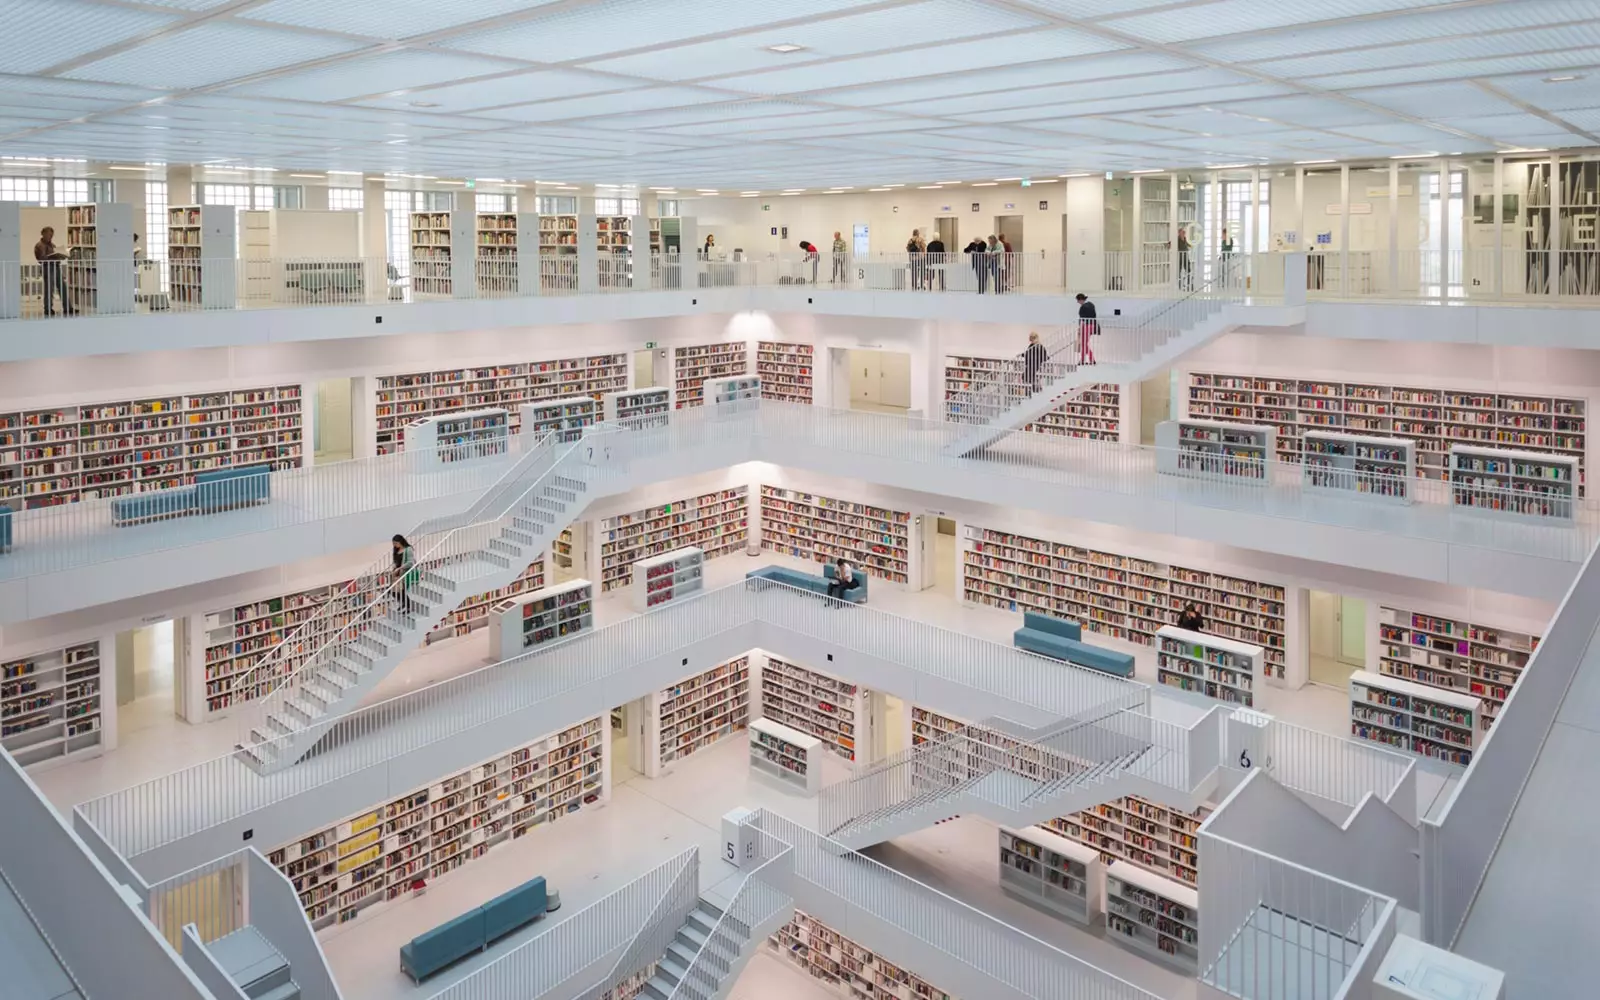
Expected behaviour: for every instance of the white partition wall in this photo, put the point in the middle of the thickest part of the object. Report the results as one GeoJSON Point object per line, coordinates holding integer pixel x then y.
{"type": "Point", "coordinates": [10, 260]}
{"type": "Point", "coordinates": [588, 251]}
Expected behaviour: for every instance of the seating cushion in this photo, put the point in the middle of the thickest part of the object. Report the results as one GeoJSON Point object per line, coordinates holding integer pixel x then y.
{"type": "Point", "coordinates": [1066, 628]}
{"type": "Point", "coordinates": [431, 951]}
{"type": "Point", "coordinates": [1079, 653]}
{"type": "Point", "coordinates": [148, 505]}
{"type": "Point", "coordinates": [794, 578]}
{"type": "Point", "coordinates": [232, 487]}
{"type": "Point", "coordinates": [5, 528]}
{"type": "Point", "coordinates": [510, 910]}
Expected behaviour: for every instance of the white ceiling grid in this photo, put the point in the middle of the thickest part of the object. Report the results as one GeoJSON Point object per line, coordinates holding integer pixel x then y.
{"type": "Point", "coordinates": [667, 92]}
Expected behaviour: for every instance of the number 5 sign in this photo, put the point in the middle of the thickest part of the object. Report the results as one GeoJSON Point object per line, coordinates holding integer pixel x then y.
{"type": "Point", "coordinates": [738, 841]}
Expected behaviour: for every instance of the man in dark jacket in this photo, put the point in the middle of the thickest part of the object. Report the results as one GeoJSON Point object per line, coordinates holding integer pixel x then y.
{"type": "Point", "coordinates": [1088, 326]}
{"type": "Point", "coordinates": [935, 262]}
{"type": "Point", "coordinates": [1033, 360]}
{"type": "Point", "coordinates": [980, 262]}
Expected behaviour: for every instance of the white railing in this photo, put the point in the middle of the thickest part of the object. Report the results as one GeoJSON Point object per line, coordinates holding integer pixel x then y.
{"type": "Point", "coordinates": [1332, 768]}
{"type": "Point", "coordinates": [1274, 930]}
{"type": "Point", "coordinates": [761, 897]}
{"type": "Point", "coordinates": [644, 910]}
{"type": "Point", "coordinates": [212, 896]}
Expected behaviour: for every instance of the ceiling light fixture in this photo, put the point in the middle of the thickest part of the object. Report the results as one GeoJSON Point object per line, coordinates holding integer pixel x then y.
{"type": "Point", "coordinates": [704, 191]}
{"type": "Point", "coordinates": [1307, 163]}
{"type": "Point", "coordinates": [455, 183]}
{"type": "Point", "coordinates": [423, 104]}
{"type": "Point", "coordinates": [666, 190]}
{"type": "Point", "coordinates": [1048, 180]}
{"type": "Point", "coordinates": [1564, 78]}
{"type": "Point", "coordinates": [1003, 180]}
{"type": "Point", "coordinates": [128, 168]}
{"type": "Point", "coordinates": [784, 48]}
{"type": "Point", "coordinates": [1415, 156]}
{"type": "Point", "coordinates": [986, 184]}
{"type": "Point", "coordinates": [552, 183]}
{"type": "Point", "coordinates": [837, 188]}
{"type": "Point", "coordinates": [355, 172]}
{"type": "Point", "coordinates": [788, 194]}
{"type": "Point", "coordinates": [491, 180]}
{"type": "Point", "coordinates": [929, 187]}
{"type": "Point", "coordinates": [1157, 170]}
{"type": "Point", "coordinates": [1085, 174]}
{"type": "Point", "coordinates": [793, 190]}
{"type": "Point", "coordinates": [879, 189]}
{"type": "Point", "coordinates": [894, 185]}
{"type": "Point", "coordinates": [320, 177]}
{"type": "Point", "coordinates": [1525, 149]}
{"type": "Point", "coordinates": [751, 194]}
{"type": "Point", "coordinates": [1227, 166]}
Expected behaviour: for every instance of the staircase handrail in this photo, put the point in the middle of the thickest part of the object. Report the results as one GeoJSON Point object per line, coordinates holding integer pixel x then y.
{"type": "Point", "coordinates": [658, 929]}
{"type": "Point", "coordinates": [699, 982]}
{"type": "Point", "coordinates": [466, 538]}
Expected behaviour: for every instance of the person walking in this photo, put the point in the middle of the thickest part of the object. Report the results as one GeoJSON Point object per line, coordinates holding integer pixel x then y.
{"type": "Point", "coordinates": [844, 579]}
{"type": "Point", "coordinates": [1088, 327]}
{"type": "Point", "coordinates": [55, 279]}
{"type": "Point", "coordinates": [976, 251]}
{"type": "Point", "coordinates": [1033, 360]}
{"type": "Point", "coordinates": [914, 251]}
{"type": "Point", "coordinates": [711, 244]}
{"type": "Point", "coordinates": [1227, 258]}
{"type": "Point", "coordinates": [405, 571]}
{"type": "Point", "coordinates": [841, 252]}
{"type": "Point", "coordinates": [935, 262]}
{"type": "Point", "coordinates": [1185, 263]}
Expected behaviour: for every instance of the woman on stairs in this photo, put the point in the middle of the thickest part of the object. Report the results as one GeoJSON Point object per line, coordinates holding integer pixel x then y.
{"type": "Point", "coordinates": [405, 571]}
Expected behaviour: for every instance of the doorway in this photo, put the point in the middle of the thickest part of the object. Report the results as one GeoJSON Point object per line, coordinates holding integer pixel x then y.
{"type": "Point", "coordinates": [148, 693]}
{"type": "Point", "coordinates": [1338, 637]}
{"type": "Point", "coordinates": [628, 740]}
{"type": "Point", "coordinates": [946, 550]}
{"type": "Point", "coordinates": [569, 554]}
{"type": "Point", "coordinates": [644, 369]}
{"type": "Point", "coordinates": [332, 432]}
{"type": "Point", "coordinates": [1011, 226]}
{"type": "Point", "coordinates": [948, 228]}
{"type": "Point", "coordinates": [879, 381]}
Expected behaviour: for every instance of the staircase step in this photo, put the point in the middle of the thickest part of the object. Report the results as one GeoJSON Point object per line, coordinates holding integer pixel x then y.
{"type": "Point", "coordinates": [567, 482]}
{"type": "Point", "coordinates": [656, 989]}
{"type": "Point", "coordinates": [681, 954]}
{"type": "Point", "coordinates": [670, 967]}
{"type": "Point", "coordinates": [251, 961]}
{"type": "Point", "coordinates": [692, 939]}
{"type": "Point", "coordinates": [559, 494]}
{"type": "Point", "coordinates": [288, 991]}
{"type": "Point", "coordinates": [519, 537]}
{"type": "Point", "coordinates": [545, 503]}
{"type": "Point", "coordinates": [496, 545]}
{"type": "Point", "coordinates": [702, 922]}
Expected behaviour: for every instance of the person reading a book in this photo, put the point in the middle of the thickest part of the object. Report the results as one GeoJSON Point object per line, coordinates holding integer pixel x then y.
{"type": "Point", "coordinates": [1191, 619]}
{"type": "Point", "coordinates": [55, 279]}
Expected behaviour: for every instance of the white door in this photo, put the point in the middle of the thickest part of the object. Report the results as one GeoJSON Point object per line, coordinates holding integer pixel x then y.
{"type": "Point", "coordinates": [894, 379]}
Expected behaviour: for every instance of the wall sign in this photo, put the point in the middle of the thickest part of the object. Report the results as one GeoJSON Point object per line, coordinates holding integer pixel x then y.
{"type": "Point", "coordinates": [1323, 239]}
{"type": "Point", "coordinates": [1011, 204]}
{"type": "Point", "coordinates": [974, 206]}
{"type": "Point", "coordinates": [774, 230]}
{"type": "Point", "coordinates": [1044, 206]}
{"type": "Point", "coordinates": [1291, 237]}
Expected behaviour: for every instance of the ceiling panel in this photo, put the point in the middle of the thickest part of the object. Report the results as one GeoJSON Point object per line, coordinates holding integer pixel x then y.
{"type": "Point", "coordinates": [39, 34]}
{"type": "Point", "coordinates": [1579, 36]}
{"type": "Point", "coordinates": [1094, 9]}
{"type": "Point", "coordinates": [1438, 100]}
{"type": "Point", "coordinates": [1578, 61]}
{"type": "Point", "coordinates": [608, 104]}
{"type": "Point", "coordinates": [1252, 15]}
{"type": "Point", "coordinates": [209, 53]}
{"type": "Point", "coordinates": [374, 74]}
{"type": "Point", "coordinates": [1580, 93]}
{"type": "Point", "coordinates": [391, 19]}
{"type": "Point", "coordinates": [1134, 69]}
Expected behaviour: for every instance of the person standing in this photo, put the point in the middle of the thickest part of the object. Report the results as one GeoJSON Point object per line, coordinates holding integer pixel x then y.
{"type": "Point", "coordinates": [1185, 264]}
{"type": "Point", "coordinates": [994, 250]}
{"type": "Point", "coordinates": [1033, 360]}
{"type": "Point", "coordinates": [1227, 257]}
{"type": "Point", "coordinates": [405, 571]}
{"type": "Point", "coordinates": [1088, 326]}
{"type": "Point", "coordinates": [976, 250]}
{"type": "Point", "coordinates": [1191, 619]}
{"type": "Point", "coordinates": [914, 251]}
{"type": "Point", "coordinates": [841, 251]}
{"type": "Point", "coordinates": [55, 280]}
{"type": "Point", "coordinates": [935, 262]}
{"type": "Point", "coordinates": [1002, 274]}
{"type": "Point", "coordinates": [711, 243]}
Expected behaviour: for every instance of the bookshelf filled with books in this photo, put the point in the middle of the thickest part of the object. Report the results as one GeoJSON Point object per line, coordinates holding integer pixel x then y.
{"type": "Point", "coordinates": [697, 712]}
{"type": "Point", "coordinates": [787, 754]}
{"type": "Point", "coordinates": [517, 624]}
{"type": "Point", "coordinates": [474, 612]}
{"type": "Point", "coordinates": [1139, 832]}
{"type": "Point", "coordinates": [1123, 597]}
{"type": "Point", "coordinates": [1094, 414]}
{"type": "Point", "coordinates": [671, 576]}
{"type": "Point", "coordinates": [692, 365]}
{"type": "Point", "coordinates": [1434, 418]}
{"type": "Point", "coordinates": [202, 248]}
{"type": "Point", "coordinates": [502, 236]}
{"type": "Point", "coordinates": [64, 454]}
{"type": "Point", "coordinates": [96, 233]}
{"type": "Point", "coordinates": [50, 708]}
{"type": "Point", "coordinates": [650, 407]}
{"type": "Point", "coordinates": [1381, 467]}
{"type": "Point", "coordinates": [716, 522]}
{"type": "Point", "coordinates": [786, 370]}
{"type": "Point", "coordinates": [846, 967]}
{"type": "Point", "coordinates": [832, 710]}
{"type": "Point", "coordinates": [821, 529]}
{"type": "Point", "coordinates": [463, 436]}
{"type": "Point", "coordinates": [564, 416]}
{"type": "Point", "coordinates": [1520, 483]}
{"type": "Point", "coordinates": [403, 844]}
{"type": "Point", "coordinates": [1152, 914]}
{"type": "Point", "coordinates": [400, 399]}
{"type": "Point", "coordinates": [1052, 873]}
{"type": "Point", "coordinates": [1208, 665]}
{"type": "Point", "coordinates": [443, 257]}
{"type": "Point", "coordinates": [1453, 655]}
{"type": "Point", "coordinates": [1416, 718]}
{"type": "Point", "coordinates": [1211, 449]}
{"type": "Point", "coordinates": [733, 393]}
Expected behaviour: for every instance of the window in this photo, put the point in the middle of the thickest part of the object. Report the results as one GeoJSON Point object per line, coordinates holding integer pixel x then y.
{"type": "Point", "coordinates": [494, 203]}
{"type": "Point", "coordinates": [666, 208]}
{"type": "Point", "coordinates": [155, 219]}
{"type": "Point", "coordinates": [398, 206]}
{"type": "Point", "coordinates": [615, 206]}
{"type": "Point", "coordinates": [102, 190]}
{"type": "Point", "coordinates": [28, 190]}
{"type": "Point", "coordinates": [346, 199]}
{"type": "Point", "coordinates": [551, 204]}
{"type": "Point", "coordinates": [69, 191]}
{"type": "Point", "coordinates": [237, 195]}
{"type": "Point", "coordinates": [1236, 215]}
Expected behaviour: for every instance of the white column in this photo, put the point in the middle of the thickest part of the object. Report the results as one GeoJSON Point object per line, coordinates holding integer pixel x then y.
{"type": "Point", "coordinates": [1344, 229]}
{"type": "Point", "coordinates": [180, 186]}
{"type": "Point", "coordinates": [1394, 227]}
{"type": "Point", "coordinates": [689, 256]}
{"type": "Point", "coordinates": [374, 246]}
{"type": "Point", "coordinates": [1299, 208]}
{"type": "Point", "coordinates": [588, 250]}
{"type": "Point", "coordinates": [1138, 233]}
{"type": "Point", "coordinates": [1172, 229]}
{"type": "Point", "coordinates": [640, 240]}
{"type": "Point", "coordinates": [1553, 262]}
{"type": "Point", "coordinates": [1444, 230]}
{"type": "Point", "coordinates": [1498, 285]}
{"type": "Point", "coordinates": [314, 197]}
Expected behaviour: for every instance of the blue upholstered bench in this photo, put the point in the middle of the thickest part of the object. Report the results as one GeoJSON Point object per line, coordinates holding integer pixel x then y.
{"type": "Point", "coordinates": [810, 581]}
{"type": "Point", "coordinates": [1062, 639]}
{"type": "Point", "coordinates": [219, 489]}
{"type": "Point", "coordinates": [473, 931]}
{"type": "Point", "coordinates": [5, 529]}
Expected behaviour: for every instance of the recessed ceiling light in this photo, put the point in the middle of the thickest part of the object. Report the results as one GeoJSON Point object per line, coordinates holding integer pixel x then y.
{"type": "Point", "coordinates": [947, 182]}
{"type": "Point", "coordinates": [1415, 156]}
{"type": "Point", "coordinates": [928, 187]}
{"type": "Point", "coordinates": [1158, 170]}
{"type": "Point", "coordinates": [554, 183]}
{"type": "Point", "coordinates": [1004, 180]}
{"type": "Point", "coordinates": [320, 177]}
{"type": "Point", "coordinates": [128, 168]}
{"type": "Point", "coordinates": [788, 194]}
{"type": "Point", "coordinates": [1307, 163]}
{"type": "Point", "coordinates": [703, 191]}
{"type": "Point", "coordinates": [785, 48]}
{"type": "Point", "coordinates": [1050, 180]}
{"type": "Point", "coordinates": [424, 104]}
{"type": "Point", "coordinates": [666, 190]}
{"type": "Point", "coordinates": [986, 184]}
{"type": "Point", "coordinates": [894, 185]}
{"type": "Point", "coordinates": [1564, 78]}
{"type": "Point", "coordinates": [747, 194]}
{"type": "Point", "coordinates": [793, 190]}
{"type": "Point", "coordinates": [879, 189]}
{"type": "Point", "coordinates": [455, 183]}
{"type": "Point", "coordinates": [841, 189]}
{"type": "Point", "coordinates": [355, 172]}
{"type": "Point", "coordinates": [491, 180]}
{"type": "Point", "coordinates": [1525, 149]}
{"type": "Point", "coordinates": [1085, 174]}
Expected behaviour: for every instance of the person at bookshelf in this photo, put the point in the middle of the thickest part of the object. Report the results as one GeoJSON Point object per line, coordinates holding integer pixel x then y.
{"type": "Point", "coordinates": [844, 579]}
{"type": "Point", "coordinates": [1191, 619]}
{"type": "Point", "coordinates": [1088, 327]}
{"type": "Point", "coordinates": [1033, 360]}
{"type": "Point", "coordinates": [841, 252]}
{"type": "Point", "coordinates": [55, 279]}
{"type": "Point", "coordinates": [405, 571]}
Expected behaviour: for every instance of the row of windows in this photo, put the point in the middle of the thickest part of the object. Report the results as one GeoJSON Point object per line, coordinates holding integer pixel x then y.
{"type": "Point", "coordinates": [54, 192]}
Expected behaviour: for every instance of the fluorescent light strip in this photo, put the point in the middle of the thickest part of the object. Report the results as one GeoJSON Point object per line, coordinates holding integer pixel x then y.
{"type": "Point", "coordinates": [929, 187]}
{"type": "Point", "coordinates": [1075, 175]}
{"type": "Point", "coordinates": [1158, 170]}
{"type": "Point", "coordinates": [880, 189]}
{"type": "Point", "coordinates": [130, 168]}
{"type": "Point", "coordinates": [315, 177]}
{"type": "Point", "coordinates": [1051, 180]}
{"type": "Point", "coordinates": [1415, 156]}
{"type": "Point", "coordinates": [1307, 163]}
{"type": "Point", "coordinates": [1003, 180]}
{"type": "Point", "coordinates": [987, 184]}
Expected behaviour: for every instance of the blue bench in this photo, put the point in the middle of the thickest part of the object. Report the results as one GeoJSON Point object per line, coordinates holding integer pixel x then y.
{"type": "Point", "coordinates": [810, 581]}
{"type": "Point", "coordinates": [473, 931]}
{"type": "Point", "coordinates": [1062, 639]}
{"type": "Point", "coordinates": [217, 490]}
{"type": "Point", "coordinates": [5, 529]}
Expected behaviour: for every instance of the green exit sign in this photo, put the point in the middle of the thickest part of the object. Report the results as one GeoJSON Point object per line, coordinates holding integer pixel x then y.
{"type": "Point", "coordinates": [471, 185]}
{"type": "Point", "coordinates": [649, 345]}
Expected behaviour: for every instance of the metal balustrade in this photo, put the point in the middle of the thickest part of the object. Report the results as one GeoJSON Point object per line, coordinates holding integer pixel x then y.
{"type": "Point", "coordinates": [758, 907]}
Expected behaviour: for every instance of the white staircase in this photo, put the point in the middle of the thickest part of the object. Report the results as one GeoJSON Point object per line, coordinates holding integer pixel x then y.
{"type": "Point", "coordinates": [1125, 352]}
{"type": "Point", "coordinates": [254, 965]}
{"type": "Point", "coordinates": [330, 663]}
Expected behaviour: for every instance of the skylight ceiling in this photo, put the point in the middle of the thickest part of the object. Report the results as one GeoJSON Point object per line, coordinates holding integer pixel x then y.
{"type": "Point", "coordinates": [732, 94]}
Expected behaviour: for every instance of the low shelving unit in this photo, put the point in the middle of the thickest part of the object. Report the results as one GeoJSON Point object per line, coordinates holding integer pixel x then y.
{"type": "Point", "coordinates": [832, 710]}
{"type": "Point", "coordinates": [1414, 717]}
{"type": "Point", "coordinates": [1453, 655]}
{"type": "Point", "coordinates": [650, 407]}
{"type": "Point", "coordinates": [1521, 483]}
{"type": "Point", "coordinates": [1209, 665]}
{"type": "Point", "coordinates": [1383, 468]}
{"type": "Point", "coordinates": [202, 247]}
{"type": "Point", "coordinates": [1050, 872]}
{"type": "Point", "coordinates": [697, 712]}
{"type": "Point", "coordinates": [668, 577]}
{"type": "Point", "coordinates": [845, 966]}
{"type": "Point", "coordinates": [459, 437]}
{"type": "Point", "coordinates": [715, 522]}
{"type": "Point", "coordinates": [692, 365]}
{"type": "Point", "coordinates": [474, 612]}
{"type": "Point", "coordinates": [1154, 915]}
{"type": "Point", "coordinates": [545, 615]}
{"type": "Point", "coordinates": [503, 238]}
{"type": "Point", "coordinates": [786, 754]}
{"type": "Point", "coordinates": [50, 704]}
{"type": "Point", "coordinates": [734, 393]}
{"type": "Point", "coordinates": [443, 253]}
{"type": "Point", "coordinates": [786, 370]}
{"type": "Point", "coordinates": [1139, 832]}
{"type": "Point", "coordinates": [564, 416]}
{"type": "Point", "coordinates": [1211, 449]}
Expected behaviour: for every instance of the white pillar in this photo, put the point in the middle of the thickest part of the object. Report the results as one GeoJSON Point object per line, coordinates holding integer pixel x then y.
{"type": "Point", "coordinates": [1138, 233]}
{"type": "Point", "coordinates": [1344, 230]}
{"type": "Point", "coordinates": [180, 186]}
{"type": "Point", "coordinates": [1553, 259]}
{"type": "Point", "coordinates": [640, 240]}
{"type": "Point", "coordinates": [1498, 285]}
{"type": "Point", "coordinates": [314, 197]}
{"type": "Point", "coordinates": [588, 249]}
{"type": "Point", "coordinates": [374, 245]}
{"type": "Point", "coordinates": [1394, 227]}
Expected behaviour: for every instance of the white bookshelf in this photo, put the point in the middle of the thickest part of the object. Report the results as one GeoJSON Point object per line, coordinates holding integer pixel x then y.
{"type": "Point", "coordinates": [1453, 655]}
{"type": "Point", "coordinates": [734, 393]}
{"type": "Point", "coordinates": [502, 238]}
{"type": "Point", "coordinates": [716, 522]}
{"type": "Point", "coordinates": [1209, 665]}
{"type": "Point", "coordinates": [671, 576]}
{"type": "Point", "coordinates": [561, 554]}
{"type": "Point", "coordinates": [558, 252]}
{"type": "Point", "coordinates": [202, 255]}
{"type": "Point", "coordinates": [520, 623]}
{"type": "Point", "coordinates": [786, 754]}
{"type": "Point", "coordinates": [926, 724]}
{"type": "Point", "coordinates": [443, 261]}
{"type": "Point", "coordinates": [1156, 233]}
{"type": "Point", "coordinates": [95, 234]}
{"type": "Point", "coordinates": [697, 712]}
{"type": "Point", "coordinates": [1514, 483]}
{"type": "Point", "coordinates": [1212, 449]}
{"type": "Point", "coordinates": [1154, 915]}
{"type": "Point", "coordinates": [474, 612]}
{"type": "Point", "coordinates": [564, 416]}
{"type": "Point", "coordinates": [614, 241]}
{"type": "Point", "coordinates": [1136, 831]}
{"type": "Point", "coordinates": [50, 706]}
{"type": "Point", "coordinates": [1383, 468]}
{"type": "Point", "coordinates": [844, 966]}
{"type": "Point", "coordinates": [1094, 414]}
{"type": "Point", "coordinates": [787, 370]}
{"type": "Point", "coordinates": [459, 437]}
{"type": "Point", "coordinates": [810, 526]}
{"type": "Point", "coordinates": [692, 365]}
{"type": "Point", "coordinates": [1416, 718]}
{"type": "Point", "coordinates": [1120, 596]}
{"type": "Point", "coordinates": [650, 407]}
{"type": "Point", "coordinates": [400, 399]}
{"type": "Point", "coordinates": [1434, 418]}
{"type": "Point", "coordinates": [831, 710]}
{"type": "Point", "coordinates": [1052, 873]}
{"type": "Point", "coordinates": [383, 853]}
{"type": "Point", "coordinates": [64, 454]}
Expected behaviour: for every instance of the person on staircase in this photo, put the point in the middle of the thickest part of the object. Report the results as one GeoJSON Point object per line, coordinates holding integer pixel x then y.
{"type": "Point", "coordinates": [1088, 327]}
{"type": "Point", "coordinates": [405, 572]}
{"type": "Point", "coordinates": [1033, 360]}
